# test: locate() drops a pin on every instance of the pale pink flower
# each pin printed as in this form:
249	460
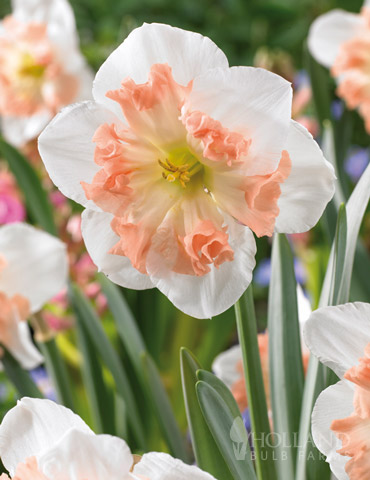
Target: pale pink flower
40	440
340	41
33	268
41	68
340	338
178	160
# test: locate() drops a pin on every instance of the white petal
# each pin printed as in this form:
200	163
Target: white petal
99	239
37	264
304	311
328	32
216	291
334	403
57	14
23	349
19	130
225	365
309	187
251	101
188	54
161	466
67	149
80	456
32	427
338	335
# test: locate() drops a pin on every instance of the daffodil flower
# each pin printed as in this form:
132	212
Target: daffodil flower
340	338
33	268
340	40
43	440
178	160
41	67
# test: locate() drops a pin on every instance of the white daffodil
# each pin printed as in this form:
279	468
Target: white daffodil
33	268
41	67
42	440
340	338
340	40
178	160
228	365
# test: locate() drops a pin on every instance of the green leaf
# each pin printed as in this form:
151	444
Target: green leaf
163	409
133	342
285	356
320	83
228	430
221	389
340	243
247	333
355	209
111	360
57	370
207	454
99	397
20	378
37	202
127	328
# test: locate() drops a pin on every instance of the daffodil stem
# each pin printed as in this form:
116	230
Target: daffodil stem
247	332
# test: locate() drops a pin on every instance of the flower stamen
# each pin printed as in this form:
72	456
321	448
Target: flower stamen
182	173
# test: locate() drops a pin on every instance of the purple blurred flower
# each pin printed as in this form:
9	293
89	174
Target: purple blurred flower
301	79
40	376
262	273
337	108
356	162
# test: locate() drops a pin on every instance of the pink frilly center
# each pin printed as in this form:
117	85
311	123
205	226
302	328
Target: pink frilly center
168	149
354	431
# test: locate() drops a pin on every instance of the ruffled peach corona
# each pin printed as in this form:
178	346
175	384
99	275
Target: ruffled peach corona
183	170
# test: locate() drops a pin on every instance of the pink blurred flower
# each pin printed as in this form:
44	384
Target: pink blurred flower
56	322
11	207
58	199
74	228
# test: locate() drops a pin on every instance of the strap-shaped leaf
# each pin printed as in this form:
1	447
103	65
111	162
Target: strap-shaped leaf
207	454
228	431
37	202
285	356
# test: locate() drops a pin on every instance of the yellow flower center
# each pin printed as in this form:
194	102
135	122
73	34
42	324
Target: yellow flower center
30	68
180	166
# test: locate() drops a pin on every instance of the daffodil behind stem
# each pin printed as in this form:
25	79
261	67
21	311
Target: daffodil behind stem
54	361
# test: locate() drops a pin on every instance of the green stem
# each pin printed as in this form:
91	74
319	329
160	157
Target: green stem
57	369
20	378
247	333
